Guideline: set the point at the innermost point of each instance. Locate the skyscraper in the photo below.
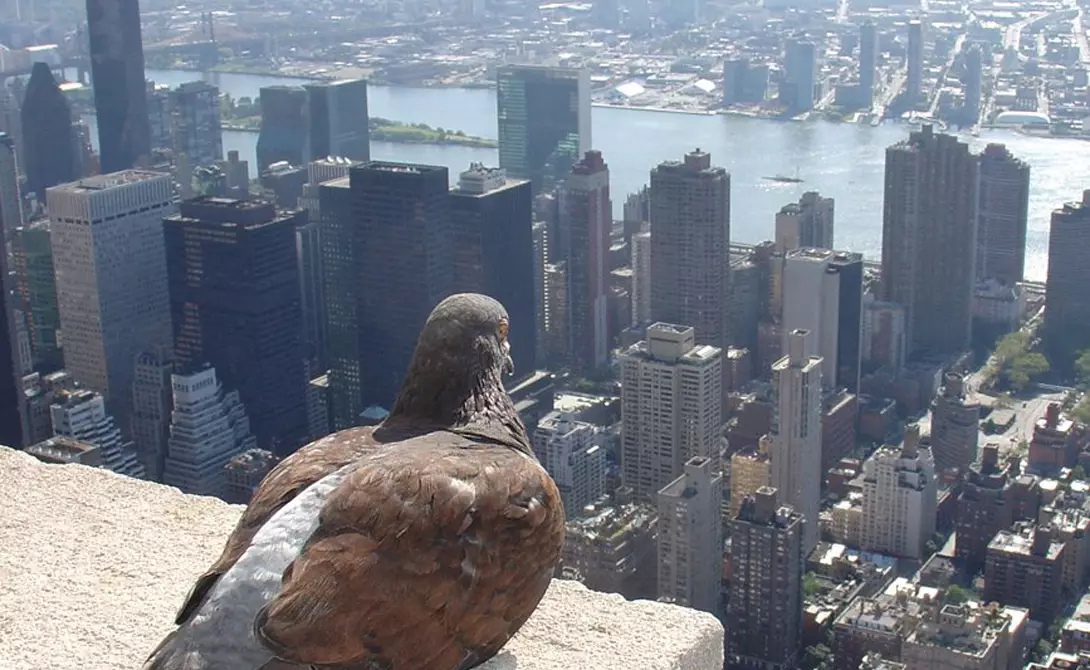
(108, 257)
(900, 494)
(152, 402)
(690, 536)
(764, 618)
(1067, 315)
(117, 75)
(544, 121)
(1002, 216)
(690, 247)
(929, 234)
(81, 415)
(974, 75)
(641, 278)
(914, 80)
(807, 223)
(49, 148)
(868, 60)
(337, 120)
(234, 294)
(671, 406)
(800, 75)
(195, 124)
(823, 293)
(796, 431)
(11, 201)
(586, 220)
(283, 135)
(955, 425)
(491, 216)
(386, 241)
(208, 428)
(12, 398)
(36, 287)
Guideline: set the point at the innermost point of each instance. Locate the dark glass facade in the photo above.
(849, 319)
(11, 391)
(386, 245)
(49, 155)
(337, 120)
(493, 254)
(544, 122)
(117, 75)
(283, 134)
(234, 294)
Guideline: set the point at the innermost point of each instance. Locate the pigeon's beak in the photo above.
(508, 362)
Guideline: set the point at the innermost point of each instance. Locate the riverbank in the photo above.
(385, 130)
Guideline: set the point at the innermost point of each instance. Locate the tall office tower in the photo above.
(671, 406)
(283, 135)
(49, 150)
(36, 287)
(914, 55)
(152, 402)
(40, 391)
(117, 75)
(868, 60)
(1002, 216)
(571, 452)
(1067, 315)
(955, 425)
(585, 222)
(807, 223)
(764, 618)
(492, 218)
(208, 428)
(823, 293)
(556, 338)
(988, 503)
(690, 247)
(641, 278)
(337, 120)
(159, 122)
(195, 123)
(929, 239)
(974, 76)
(12, 398)
(386, 241)
(900, 496)
(112, 295)
(539, 234)
(236, 175)
(11, 121)
(690, 536)
(234, 295)
(796, 431)
(734, 76)
(636, 212)
(81, 415)
(544, 122)
(800, 72)
(85, 156)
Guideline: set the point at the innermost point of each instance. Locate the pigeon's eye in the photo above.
(501, 330)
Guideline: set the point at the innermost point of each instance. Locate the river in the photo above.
(843, 161)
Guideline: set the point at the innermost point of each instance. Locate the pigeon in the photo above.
(423, 543)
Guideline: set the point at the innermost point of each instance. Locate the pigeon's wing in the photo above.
(289, 478)
(426, 557)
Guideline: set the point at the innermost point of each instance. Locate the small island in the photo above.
(244, 114)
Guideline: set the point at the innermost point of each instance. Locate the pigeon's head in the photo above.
(470, 330)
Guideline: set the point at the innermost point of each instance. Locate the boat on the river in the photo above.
(784, 179)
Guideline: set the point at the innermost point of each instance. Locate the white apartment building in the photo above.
(796, 432)
(690, 536)
(570, 451)
(671, 406)
(641, 278)
(900, 495)
(81, 415)
(208, 428)
(110, 265)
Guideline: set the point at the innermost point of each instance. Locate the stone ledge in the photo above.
(94, 565)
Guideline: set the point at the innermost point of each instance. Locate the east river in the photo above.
(844, 161)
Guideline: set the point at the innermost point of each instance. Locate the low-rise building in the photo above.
(968, 637)
(611, 548)
(1024, 568)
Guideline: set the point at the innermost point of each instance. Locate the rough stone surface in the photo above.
(93, 566)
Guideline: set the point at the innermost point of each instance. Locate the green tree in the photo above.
(1082, 368)
(955, 595)
(1025, 367)
(810, 585)
(1078, 473)
(1082, 410)
(817, 657)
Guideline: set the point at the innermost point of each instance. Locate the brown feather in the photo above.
(382, 580)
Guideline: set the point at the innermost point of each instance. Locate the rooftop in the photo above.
(74, 607)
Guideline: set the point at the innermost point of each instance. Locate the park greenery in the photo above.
(1081, 411)
(1017, 365)
(245, 114)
